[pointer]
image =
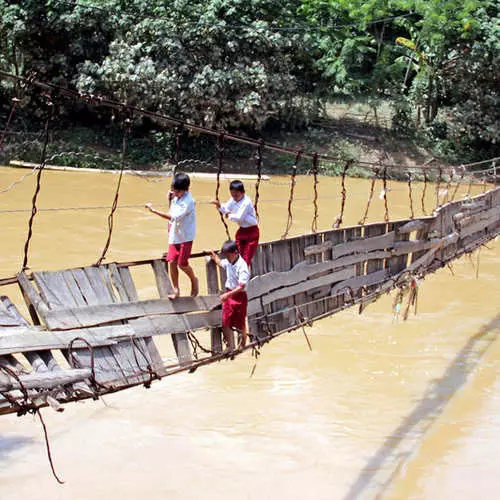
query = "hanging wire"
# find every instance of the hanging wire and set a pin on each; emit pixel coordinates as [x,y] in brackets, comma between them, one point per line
[376,173]
[289,221]
[448,184]
[220,151]
[424,211]
[15,102]
[438,185]
[410,195]
[314,224]
[126,131]
[34,209]
[258,165]
[384,187]
[178,137]
[340,217]
[459,182]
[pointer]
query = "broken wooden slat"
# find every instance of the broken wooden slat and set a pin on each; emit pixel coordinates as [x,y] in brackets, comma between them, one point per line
[47,380]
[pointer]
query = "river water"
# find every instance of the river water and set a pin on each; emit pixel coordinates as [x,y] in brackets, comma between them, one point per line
[380,408]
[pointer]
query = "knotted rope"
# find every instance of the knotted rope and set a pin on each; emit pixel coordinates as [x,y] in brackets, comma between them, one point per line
[314,224]
[376,173]
[410,195]
[340,217]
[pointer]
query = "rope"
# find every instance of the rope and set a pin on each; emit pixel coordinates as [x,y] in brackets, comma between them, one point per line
[384,187]
[340,217]
[220,151]
[370,197]
[410,196]
[289,221]
[38,183]
[47,446]
[258,164]
[314,224]
[117,194]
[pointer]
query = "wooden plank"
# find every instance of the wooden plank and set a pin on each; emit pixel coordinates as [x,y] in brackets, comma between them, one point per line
[65,319]
[414,225]
[100,288]
[83,283]
[128,283]
[373,265]
[255,304]
[47,380]
[32,297]
[74,288]
[163,282]
[353,246]
[117,282]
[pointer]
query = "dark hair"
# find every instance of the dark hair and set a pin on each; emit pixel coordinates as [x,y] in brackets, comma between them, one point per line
[181,181]
[237,186]
[229,246]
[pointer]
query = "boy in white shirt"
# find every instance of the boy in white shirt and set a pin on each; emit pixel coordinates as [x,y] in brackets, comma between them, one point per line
[240,209]
[182,230]
[234,299]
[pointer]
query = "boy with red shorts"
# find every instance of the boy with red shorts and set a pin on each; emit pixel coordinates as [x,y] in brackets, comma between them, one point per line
[182,230]
[240,209]
[234,299]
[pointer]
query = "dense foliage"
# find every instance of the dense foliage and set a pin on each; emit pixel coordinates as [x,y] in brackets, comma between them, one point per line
[242,64]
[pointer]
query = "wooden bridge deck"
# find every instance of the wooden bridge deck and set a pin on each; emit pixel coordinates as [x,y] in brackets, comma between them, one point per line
[91,334]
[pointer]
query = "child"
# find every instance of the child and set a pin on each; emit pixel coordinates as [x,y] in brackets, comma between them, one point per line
[240,209]
[234,299]
[182,230]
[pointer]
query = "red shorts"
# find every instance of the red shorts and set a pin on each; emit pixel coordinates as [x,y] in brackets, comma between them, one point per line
[247,239]
[180,253]
[234,310]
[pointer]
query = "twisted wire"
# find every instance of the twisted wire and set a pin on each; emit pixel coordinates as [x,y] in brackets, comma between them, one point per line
[117,194]
[220,151]
[314,224]
[459,181]
[340,217]
[258,165]
[424,189]
[410,195]
[384,187]
[438,185]
[289,221]
[370,197]
[38,183]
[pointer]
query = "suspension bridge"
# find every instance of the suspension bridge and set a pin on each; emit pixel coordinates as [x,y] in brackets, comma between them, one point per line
[89,333]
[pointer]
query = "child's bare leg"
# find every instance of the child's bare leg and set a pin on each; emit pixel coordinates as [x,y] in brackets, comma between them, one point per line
[228,337]
[194,280]
[174,276]
[244,336]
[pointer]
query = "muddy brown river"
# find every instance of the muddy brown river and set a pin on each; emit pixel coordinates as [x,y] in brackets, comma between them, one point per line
[380,408]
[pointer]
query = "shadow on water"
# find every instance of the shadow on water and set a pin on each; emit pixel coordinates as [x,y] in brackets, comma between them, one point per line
[383,467]
[10,444]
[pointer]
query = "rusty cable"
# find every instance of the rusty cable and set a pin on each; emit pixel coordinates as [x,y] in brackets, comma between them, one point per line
[370,196]
[340,217]
[114,205]
[47,446]
[438,185]
[384,187]
[410,195]
[38,182]
[424,189]
[15,102]
[448,185]
[258,165]
[314,224]
[220,151]
[289,221]
[459,181]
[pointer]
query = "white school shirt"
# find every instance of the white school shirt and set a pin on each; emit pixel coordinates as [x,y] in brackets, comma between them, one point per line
[242,212]
[237,273]
[183,222]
